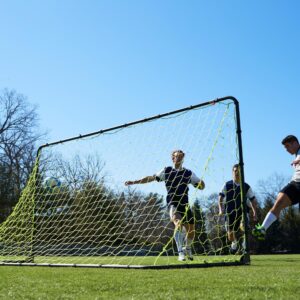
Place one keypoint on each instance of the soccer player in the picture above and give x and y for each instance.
(177, 179)
(289, 195)
(230, 204)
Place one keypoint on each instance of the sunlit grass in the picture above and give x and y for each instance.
(268, 277)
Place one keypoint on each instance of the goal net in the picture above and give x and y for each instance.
(77, 211)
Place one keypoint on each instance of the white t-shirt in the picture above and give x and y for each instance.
(296, 176)
(162, 176)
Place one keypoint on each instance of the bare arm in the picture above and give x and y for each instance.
(221, 198)
(253, 205)
(146, 179)
(197, 182)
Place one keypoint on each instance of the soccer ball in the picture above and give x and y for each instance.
(51, 183)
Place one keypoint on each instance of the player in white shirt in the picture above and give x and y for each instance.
(176, 180)
(289, 195)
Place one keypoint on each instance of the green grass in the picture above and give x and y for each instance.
(268, 277)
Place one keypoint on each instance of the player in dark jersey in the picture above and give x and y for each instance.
(176, 180)
(230, 204)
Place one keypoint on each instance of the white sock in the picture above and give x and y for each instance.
(234, 245)
(179, 237)
(244, 244)
(184, 235)
(269, 220)
(188, 243)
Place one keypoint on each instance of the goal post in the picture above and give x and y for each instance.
(77, 211)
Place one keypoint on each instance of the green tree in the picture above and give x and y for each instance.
(284, 234)
(290, 228)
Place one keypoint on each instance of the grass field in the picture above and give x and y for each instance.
(268, 277)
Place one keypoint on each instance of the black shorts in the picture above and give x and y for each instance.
(233, 221)
(184, 211)
(292, 190)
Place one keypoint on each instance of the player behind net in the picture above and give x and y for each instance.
(177, 179)
(230, 205)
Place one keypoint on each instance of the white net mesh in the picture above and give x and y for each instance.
(76, 208)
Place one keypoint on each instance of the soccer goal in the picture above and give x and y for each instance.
(77, 211)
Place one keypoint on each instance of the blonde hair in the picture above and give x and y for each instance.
(179, 151)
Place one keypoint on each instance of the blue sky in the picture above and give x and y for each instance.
(90, 65)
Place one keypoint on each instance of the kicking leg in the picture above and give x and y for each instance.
(281, 202)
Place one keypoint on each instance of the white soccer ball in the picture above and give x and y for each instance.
(52, 183)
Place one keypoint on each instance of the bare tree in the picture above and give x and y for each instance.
(269, 188)
(78, 171)
(18, 142)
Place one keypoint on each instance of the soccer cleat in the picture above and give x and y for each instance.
(259, 232)
(189, 254)
(181, 256)
(245, 259)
